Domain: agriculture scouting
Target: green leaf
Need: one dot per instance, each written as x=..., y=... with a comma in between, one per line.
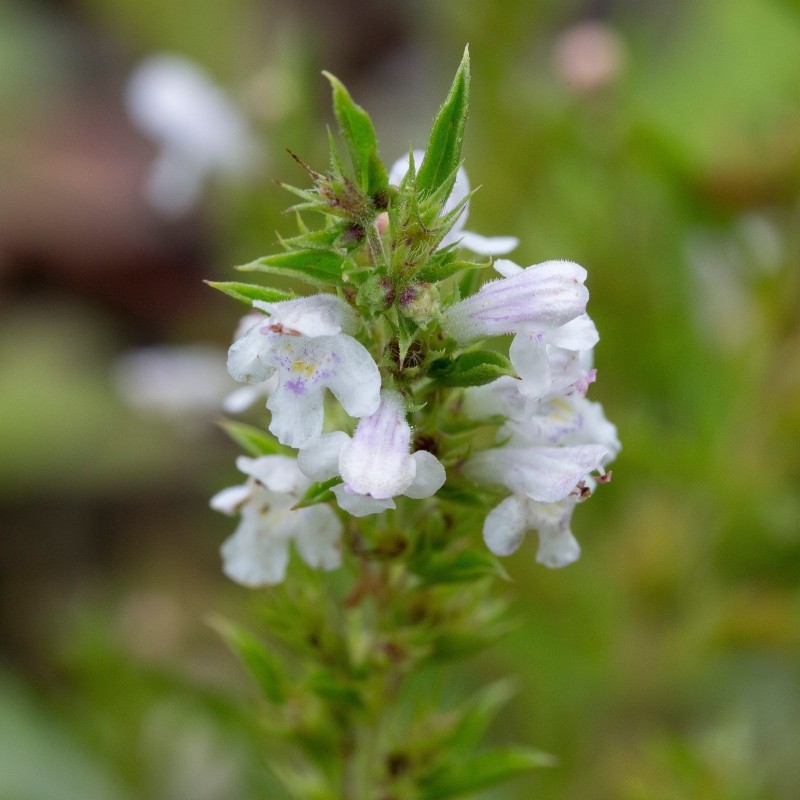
x=312, y=265
x=332, y=688
x=321, y=239
x=443, y=153
x=473, y=368
x=318, y=493
x=435, y=270
x=255, y=654
x=482, y=770
x=477, y=714
x=468, y=565
x=253, y=440
x=247, y=292
x=359, y=135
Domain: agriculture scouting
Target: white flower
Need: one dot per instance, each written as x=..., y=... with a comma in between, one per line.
x=198, y=129
x=482, y=245
x=304, y=340
x=506, y=525
x=257, y=553
x=550, y=452
x=535, y=300
x=544, y=473
x=172, y=381
x=375, y=463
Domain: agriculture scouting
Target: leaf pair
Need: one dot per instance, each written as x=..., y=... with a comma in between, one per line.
x=443, y=153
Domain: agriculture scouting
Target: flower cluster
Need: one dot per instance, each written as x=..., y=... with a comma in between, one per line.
x=407, y=354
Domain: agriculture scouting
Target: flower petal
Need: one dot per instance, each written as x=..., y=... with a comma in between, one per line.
x=297, y=417
x=539, y=298
x=488, y=245
x=356, y=381
x=577, y=334
x=505, y=525
x=279, y=474
x=315, y=315
x=528, y=355
x=360, y=505
x=319, y=459
x=248, y=357
x=318, y=537
x=557, y=546
x=376, y=461
x=229, y=500
x=429, y=478
x=547, y=474
x=254, y=558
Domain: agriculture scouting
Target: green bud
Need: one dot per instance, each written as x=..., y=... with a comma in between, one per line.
x=377, y=293
x=420, y=302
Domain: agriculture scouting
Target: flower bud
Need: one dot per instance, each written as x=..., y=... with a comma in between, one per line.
x=419, y=302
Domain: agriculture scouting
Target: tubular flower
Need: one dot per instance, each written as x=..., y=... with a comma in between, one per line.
x=536, y=300
x=375, y=464
x=306, y=342
x=257, y=554
x=552, y=449
x=482, y=245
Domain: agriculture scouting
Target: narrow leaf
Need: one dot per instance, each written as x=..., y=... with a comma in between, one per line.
x=316, y=266
x=255, y=655
x=318, y=493
x=359, y=135
x=482, y=770
x=443, y=153
x=247, y=292
x=473, y=368
x=478, y=712
x=465, y=566
x=253, y=440
x=434, y=272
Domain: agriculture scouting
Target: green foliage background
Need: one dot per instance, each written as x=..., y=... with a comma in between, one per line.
x=666, y=662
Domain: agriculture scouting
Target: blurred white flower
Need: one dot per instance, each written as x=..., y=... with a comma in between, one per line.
x=172, y=381
x=257, y=554
x=197, y=127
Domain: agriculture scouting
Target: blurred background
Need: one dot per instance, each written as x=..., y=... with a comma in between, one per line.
x=656, y=143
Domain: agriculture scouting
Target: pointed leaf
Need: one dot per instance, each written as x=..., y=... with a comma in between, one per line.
x=253, y=440
x=318, y=493
x=255, y=654
x=315, y=266
x=362, y=143
x=473, y=368
x=468, y=565
x=482, y=770
x=478, y=712
x=435, y=271
x=443, y=153
x=247, y=292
